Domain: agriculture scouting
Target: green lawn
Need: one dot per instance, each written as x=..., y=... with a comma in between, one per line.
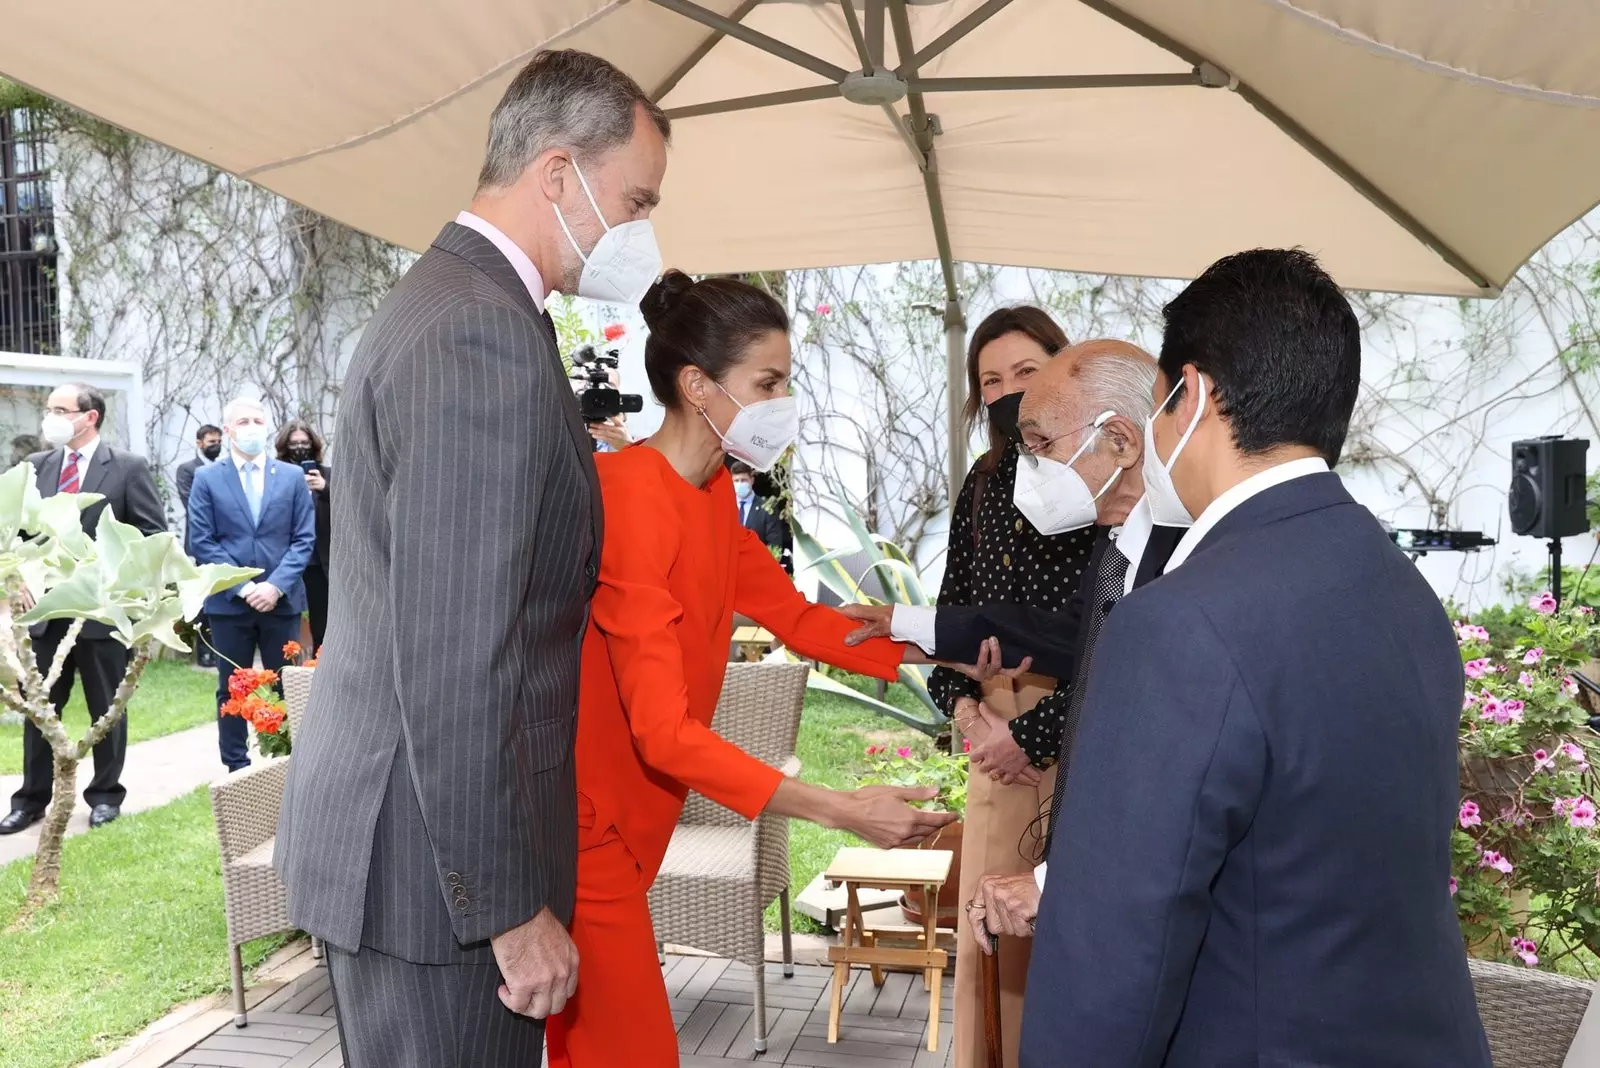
x=139, y=929
x=172, y=696
x=834, y=735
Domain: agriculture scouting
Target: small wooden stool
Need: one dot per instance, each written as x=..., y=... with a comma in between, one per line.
x=887, y=869
x=753, y=642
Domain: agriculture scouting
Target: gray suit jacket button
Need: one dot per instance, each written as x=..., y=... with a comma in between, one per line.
x=454, y=878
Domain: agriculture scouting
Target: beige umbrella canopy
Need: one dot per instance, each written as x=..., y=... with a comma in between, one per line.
x=1415, y=145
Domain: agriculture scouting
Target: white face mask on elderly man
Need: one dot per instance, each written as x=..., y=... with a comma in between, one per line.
x=623, y=263
x=1054, y=497
x=1166, y=507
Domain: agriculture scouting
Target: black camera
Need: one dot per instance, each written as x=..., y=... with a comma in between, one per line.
x=598, y=399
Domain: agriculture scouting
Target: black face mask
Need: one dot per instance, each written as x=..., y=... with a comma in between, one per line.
x=1003, y=414
x=299, y=454
x=212, y=451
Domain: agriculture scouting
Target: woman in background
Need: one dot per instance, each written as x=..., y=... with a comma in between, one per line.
x=674, y=568
x=996, y=556
x=299, y=444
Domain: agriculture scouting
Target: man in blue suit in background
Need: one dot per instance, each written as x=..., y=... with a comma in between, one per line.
x=249, y=510
x=1252, y=865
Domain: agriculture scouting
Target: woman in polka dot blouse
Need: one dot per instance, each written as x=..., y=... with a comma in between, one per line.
x=996, y=556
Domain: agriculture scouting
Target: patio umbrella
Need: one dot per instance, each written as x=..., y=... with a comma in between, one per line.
x=1421, y=145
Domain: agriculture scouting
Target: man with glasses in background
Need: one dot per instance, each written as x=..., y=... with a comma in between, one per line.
x=79, y=462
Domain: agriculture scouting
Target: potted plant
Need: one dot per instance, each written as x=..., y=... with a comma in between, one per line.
x=1526, y=848
x=903, y=766
x=255, y=697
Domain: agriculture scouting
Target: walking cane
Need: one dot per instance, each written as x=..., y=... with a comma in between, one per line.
x=991, y=1003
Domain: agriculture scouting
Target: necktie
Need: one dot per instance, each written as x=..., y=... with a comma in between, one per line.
x=252, y=492
x=1108, y=580
x=70, y=480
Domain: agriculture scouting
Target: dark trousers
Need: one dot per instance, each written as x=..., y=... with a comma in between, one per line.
x=396, y=1014
x=316, y=580
x=236, y=637
x=100, y=663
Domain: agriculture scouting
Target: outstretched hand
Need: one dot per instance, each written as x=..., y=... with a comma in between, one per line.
x=989, y=664
x=883, y=815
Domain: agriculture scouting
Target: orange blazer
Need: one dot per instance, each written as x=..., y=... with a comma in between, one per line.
x=675, y=567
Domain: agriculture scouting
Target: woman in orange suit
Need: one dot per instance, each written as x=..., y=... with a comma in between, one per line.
x=675, y=567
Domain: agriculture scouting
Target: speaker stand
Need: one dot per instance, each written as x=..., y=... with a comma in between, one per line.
x=1555, y=570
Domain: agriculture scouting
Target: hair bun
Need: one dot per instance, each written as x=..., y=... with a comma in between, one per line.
x=664, y=297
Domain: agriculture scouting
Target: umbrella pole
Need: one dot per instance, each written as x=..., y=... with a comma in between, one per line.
x=955, y=369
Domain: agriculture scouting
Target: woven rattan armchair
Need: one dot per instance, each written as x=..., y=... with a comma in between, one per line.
x=721, y=870
x=245, y=804
x=1530, y=1016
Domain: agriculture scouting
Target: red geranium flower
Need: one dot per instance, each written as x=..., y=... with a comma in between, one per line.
x=613, y=331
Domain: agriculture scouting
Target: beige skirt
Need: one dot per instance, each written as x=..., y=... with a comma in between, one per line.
x=997, y=820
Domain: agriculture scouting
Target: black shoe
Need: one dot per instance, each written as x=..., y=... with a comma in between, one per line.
x=101, y=815
x=18, y=820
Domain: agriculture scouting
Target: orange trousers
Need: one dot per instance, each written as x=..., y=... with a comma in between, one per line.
x=619, y=1017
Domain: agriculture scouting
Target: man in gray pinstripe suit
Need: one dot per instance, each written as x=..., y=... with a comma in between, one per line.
x=428, y=832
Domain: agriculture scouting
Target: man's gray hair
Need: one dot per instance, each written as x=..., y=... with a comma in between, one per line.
x=562, y=99
x=1119, y=379
x=238, y=405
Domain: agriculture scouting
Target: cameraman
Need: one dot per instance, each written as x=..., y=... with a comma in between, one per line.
x=611, y=435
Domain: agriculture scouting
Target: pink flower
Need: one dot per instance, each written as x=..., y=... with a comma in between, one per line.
x=1477, y=669
x=1493, y=709
x=824, y=309
x=1470, y=632
x=613, y=331
x=1582, y=813
x=1454, y=886
x=1575, y=754
x=1533, y=656
x=1526, y=680
x=966, y=745
x=1584, y=610
x=1524, y=948
x=1569, y=686
x=1469, y=815
x=1513, y=710
x=1543, y=603
x=903, y=751
x=1492, y=859
x=1542, y=760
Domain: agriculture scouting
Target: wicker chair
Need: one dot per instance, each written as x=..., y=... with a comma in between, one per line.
x=246, y=805
x=721, y=871
x=1530, y=1016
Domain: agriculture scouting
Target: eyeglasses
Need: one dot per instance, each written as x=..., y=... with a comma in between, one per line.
x=64, y=411
x=1031, y=453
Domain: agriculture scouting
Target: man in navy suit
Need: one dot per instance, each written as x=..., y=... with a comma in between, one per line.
x=249, y=510
x=1252, y=864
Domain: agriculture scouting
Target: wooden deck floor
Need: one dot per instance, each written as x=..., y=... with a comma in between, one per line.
x=882, y=1027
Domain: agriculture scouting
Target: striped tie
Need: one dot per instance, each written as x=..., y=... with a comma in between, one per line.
x=69, y=475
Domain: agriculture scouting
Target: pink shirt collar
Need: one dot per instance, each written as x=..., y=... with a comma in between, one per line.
x=508, y=248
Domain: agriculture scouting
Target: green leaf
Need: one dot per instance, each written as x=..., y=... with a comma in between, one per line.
x=213, y=578
x=81, y=596
x=113, y=540
x=160, y=625
x=13, y=500
x=822, y=683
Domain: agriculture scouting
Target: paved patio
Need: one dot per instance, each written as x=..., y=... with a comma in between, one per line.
x=881, y=1027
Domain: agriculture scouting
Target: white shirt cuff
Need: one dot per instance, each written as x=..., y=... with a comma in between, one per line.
x=1038, y=875
x=913, y=623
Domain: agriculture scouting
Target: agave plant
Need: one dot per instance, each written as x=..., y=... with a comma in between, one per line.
x=901, y=583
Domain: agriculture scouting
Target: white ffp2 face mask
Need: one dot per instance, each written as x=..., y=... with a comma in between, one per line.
x=761, y=432
x=57, y=430
x=623, y=263
x=1054, y=497
x=1166, y=507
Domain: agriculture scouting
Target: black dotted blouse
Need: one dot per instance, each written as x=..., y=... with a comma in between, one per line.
x=1009, y=562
